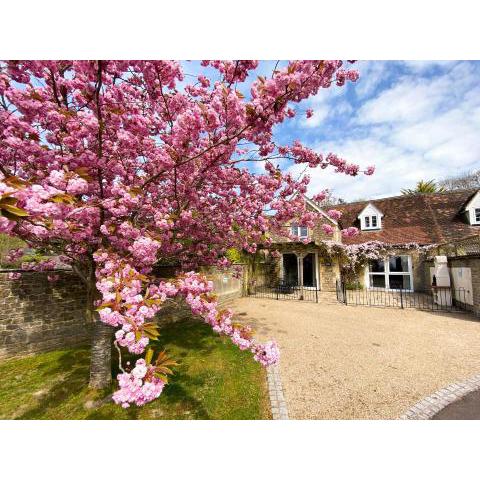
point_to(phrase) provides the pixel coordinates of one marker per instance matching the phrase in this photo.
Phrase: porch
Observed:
(301, 272)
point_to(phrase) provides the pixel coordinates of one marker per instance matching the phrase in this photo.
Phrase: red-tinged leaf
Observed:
(83, 172)
(15, 182)
(162, 377)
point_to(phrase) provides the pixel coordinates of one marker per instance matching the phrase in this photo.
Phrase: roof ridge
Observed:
(422, 195)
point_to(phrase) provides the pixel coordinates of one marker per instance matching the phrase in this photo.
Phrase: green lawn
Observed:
(215, 380)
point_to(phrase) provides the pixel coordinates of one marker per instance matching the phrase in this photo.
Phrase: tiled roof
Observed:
(423, 219)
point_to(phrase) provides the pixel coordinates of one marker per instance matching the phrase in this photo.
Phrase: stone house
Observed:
(404, 222)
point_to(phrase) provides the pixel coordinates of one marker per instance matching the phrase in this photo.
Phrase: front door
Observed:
(309, 274)
(290, 269)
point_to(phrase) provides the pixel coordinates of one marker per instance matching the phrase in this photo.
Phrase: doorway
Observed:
(300, 270)
(309, 274)
(290, 269)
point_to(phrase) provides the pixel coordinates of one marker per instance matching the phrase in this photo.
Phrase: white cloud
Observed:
(421, 66)
(421, 127)
(407, 101)
(319, 115)
(371, 74)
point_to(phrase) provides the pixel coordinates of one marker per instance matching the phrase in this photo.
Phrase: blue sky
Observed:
(413, 120)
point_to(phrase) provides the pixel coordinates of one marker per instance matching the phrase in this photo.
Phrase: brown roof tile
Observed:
(424, 219)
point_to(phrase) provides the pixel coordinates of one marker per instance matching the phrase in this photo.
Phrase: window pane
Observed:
(377, 281)
(374, 221)
(398, 264)
(367, 222)
(477, 214)
(398, 282)
(295, 230)
(303, 231)
(376, 265)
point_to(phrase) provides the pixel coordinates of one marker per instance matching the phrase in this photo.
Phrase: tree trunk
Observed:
(102, 336)
(101, 359)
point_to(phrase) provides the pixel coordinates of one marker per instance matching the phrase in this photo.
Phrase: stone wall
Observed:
(38, 315)
(329, 274)
(474, 264)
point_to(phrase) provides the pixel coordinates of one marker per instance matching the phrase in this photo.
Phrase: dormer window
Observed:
(299, 231)
(370, 218)
(472, 210)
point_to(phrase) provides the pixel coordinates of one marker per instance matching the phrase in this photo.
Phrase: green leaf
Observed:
(13, 211)
(62, 198)
(149, 356)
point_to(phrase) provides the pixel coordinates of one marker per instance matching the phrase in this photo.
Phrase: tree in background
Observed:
(423, 187)
(114, 165)
(463, 181)
(331, 200)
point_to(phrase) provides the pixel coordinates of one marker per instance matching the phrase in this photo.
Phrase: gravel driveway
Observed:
(345, 362)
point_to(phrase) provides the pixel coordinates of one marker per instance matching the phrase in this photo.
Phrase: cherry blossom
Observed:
(113, 166)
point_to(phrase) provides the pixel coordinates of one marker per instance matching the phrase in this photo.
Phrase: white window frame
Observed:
(298, 229)
(370, 222)
(300, 269)
(372, 215)
(476, 215)
(386, 273)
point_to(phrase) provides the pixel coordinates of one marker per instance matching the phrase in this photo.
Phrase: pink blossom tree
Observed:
(115, 165)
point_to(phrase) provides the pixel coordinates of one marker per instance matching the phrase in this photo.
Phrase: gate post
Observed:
(344, 293)
(401, 299)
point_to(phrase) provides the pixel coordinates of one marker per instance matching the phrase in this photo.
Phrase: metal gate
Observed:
(435, 299)
(281, 290)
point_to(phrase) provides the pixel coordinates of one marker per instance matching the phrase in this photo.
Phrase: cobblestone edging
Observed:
(431, 405)
(275, 391)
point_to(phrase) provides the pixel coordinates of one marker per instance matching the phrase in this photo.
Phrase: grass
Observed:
(215, 380)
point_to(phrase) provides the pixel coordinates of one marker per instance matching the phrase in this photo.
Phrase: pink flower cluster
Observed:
(267, 354)
(125, 337)
(327, 229)
(335, 214)
(350, 232)
(138, 387)
(14, 255)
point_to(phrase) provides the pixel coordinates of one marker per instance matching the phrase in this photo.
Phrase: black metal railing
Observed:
(281, 290)
(436, 298)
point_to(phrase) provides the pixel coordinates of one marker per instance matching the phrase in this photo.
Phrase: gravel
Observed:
(346, 362)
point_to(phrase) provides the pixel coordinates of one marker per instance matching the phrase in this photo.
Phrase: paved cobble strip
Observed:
(428, 407)
(275, 390)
